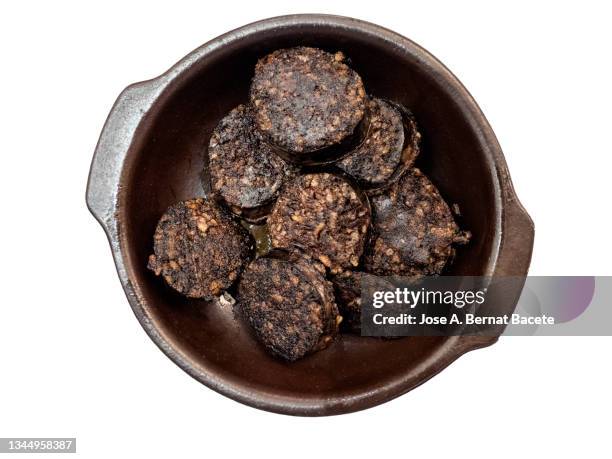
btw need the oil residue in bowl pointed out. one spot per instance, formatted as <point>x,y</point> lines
<point>260,234</point>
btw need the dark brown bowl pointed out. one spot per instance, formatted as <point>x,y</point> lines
<point>150,154</point>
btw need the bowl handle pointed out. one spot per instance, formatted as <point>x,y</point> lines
<point>518,234</point>
<point>128,112</point>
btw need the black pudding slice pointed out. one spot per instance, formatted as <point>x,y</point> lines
<point>289,304</point>
<point>324,215</point>
<point>306,100</point>
<point>198,249</point>
<point>243,169</point>
<point>390,147</point>
<point>413,230</point>
<point>348,287</point>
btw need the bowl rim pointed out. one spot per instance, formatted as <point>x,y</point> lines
<point>128,118</point>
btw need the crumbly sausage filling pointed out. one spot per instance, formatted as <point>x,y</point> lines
<point>309,107</point>
<point>306,99</point>
<point>289,305</point>
<point>325,216</point>
<point>243,169</point>
<point>375,160</point>
<point>198,250</point>
<point>413,229</point>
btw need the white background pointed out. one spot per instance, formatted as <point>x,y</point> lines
<point>75,362</point>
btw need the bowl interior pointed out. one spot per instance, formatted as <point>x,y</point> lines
<point>165,166</point>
